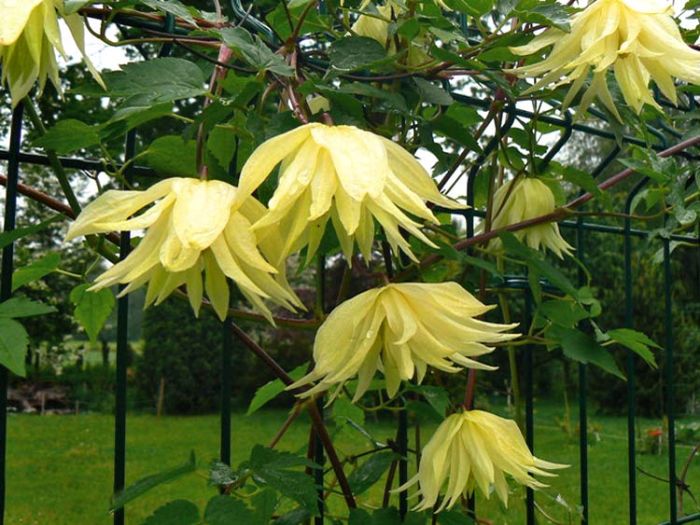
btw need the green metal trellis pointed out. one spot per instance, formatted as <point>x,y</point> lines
<point>15,157</point>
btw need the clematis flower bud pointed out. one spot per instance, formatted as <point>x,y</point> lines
<point>525,198</point>
<point>401,329</point>
<point>475,449</point>
<point>191,228</point>
<point>638,39</point>
<point>348,175</point>
<point>29,38</point>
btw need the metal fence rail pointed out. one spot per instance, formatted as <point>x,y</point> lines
<point>15,156</point>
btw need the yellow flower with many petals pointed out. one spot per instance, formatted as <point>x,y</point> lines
<point>475,449</point>
<point>29,38</point>
<point>638,39</point>
<point>401,329</point>
<point>192,227</point>
<point>525,198</point>
<point>348,175</point>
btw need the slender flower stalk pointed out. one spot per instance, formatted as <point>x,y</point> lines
<point>637,39</point>
<point>350,176</point>
<point>401,329</point>
<point>525,198</point>
<point>475,449</point>
<point>191,228</point>
<point>29,38</point>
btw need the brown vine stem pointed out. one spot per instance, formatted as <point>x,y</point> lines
<point>316,418</point>
<point>556,215</point>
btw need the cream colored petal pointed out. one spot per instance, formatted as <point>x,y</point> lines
<point>216,286</point>
<point>14,15</point>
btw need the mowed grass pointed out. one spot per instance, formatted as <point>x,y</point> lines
<point>60,467</point>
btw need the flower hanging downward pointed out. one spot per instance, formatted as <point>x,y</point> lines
<point>637,38</point>
<point>525,198</point>
<point>29,37</point>
<point>347,174</point>
<point>191,228</point>
<point>475,449</point>
<point>401,329</point>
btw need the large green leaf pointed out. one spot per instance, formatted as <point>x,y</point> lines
<point>174,7</point>
<point>143,485</point>
<point>69,135</point>
<point>35,270</point>
<point>638,342</point>
<point>92,309</point>
<point>225,510</point>
<point>17,307</point>
<point>13,345</point>
<point>371,471</point>
<point>176,512</point>
<point>584,349</point>
<point>157,80</point>
<point>7,238</point>
<point>355,52</point>
<point>255,52</point>
<point>171,155</point>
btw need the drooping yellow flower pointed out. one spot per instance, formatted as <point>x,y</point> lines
<point>401,329</point>
<point>348,175</point>
<point>525,198</point>
<point>29,39</point>
<point>475,449</point>
<point>638,39</point>
<point>192,227</point>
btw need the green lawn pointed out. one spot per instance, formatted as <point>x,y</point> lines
<point>60,467</point>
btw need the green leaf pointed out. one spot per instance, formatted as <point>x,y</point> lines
<point>584,349</point>
<point>157,80</point>
<point>173,7</point>
<point>92,309</point>
<point>547,13</point>
<point>271,390</point>
<point>13,346</point>
<point>294,517</point>
<point>17,307</point>
<point>7,238</point>
<point>36,270</point>
<point>225,510</point>
<point>355,52</point>
<point>436,396</point>
<point>371,471</point>
<point>638,342</point>
<point>143,485</point>
<point>431,93</point>
<point>268,458</point>
<point>476,8</point>
<point>564,313</point>
<point>171,155</point>
<point>254,51</point>
<point>388,516</point>
<point>176,512</point>
<point>69,135</point>
<point>344,411</point>
<point>264,505</point>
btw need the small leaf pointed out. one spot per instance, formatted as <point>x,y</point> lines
<point>173,7</point>
<point>254,51</point>
<point>13,346</point>
<point>344,411</point>
<point>371,471</point>
<point>354,52</point>
<point>264,505</point>
<point>431,93</point>
<point>92,309</point>
<point>36,270</point>
<point>143,485</point>
<point>157,80</point>
<point>584,349</point>
<point>7,238</point>
<point>17,307</point>
<point>176,512</point>
<point>271,390</point>
<point>294,517</point>
<point>638,342</point>
<point>454,517</point>
<point>171,155</point>
<point>69,135</point>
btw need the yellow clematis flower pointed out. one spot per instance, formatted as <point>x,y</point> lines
<point>525,198</point>
<point>29,37</point>
<point>638,39</point>
<point>475,449</point>
<point>348,175</point>
<point>191,228</point>
<point>401,329</point>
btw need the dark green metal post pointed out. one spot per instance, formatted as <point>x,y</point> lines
<point>226,355</point>
<point>670,390</point>
<point>6,280</point>
<point>402,435</point>
<point>582,393</point>
<point>122,358</point>
<point>529,405</point>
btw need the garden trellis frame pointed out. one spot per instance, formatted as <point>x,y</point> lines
<point>669,143</point>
